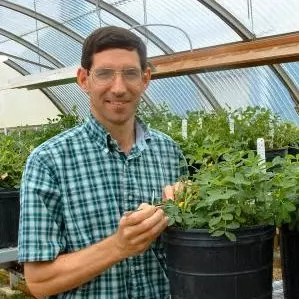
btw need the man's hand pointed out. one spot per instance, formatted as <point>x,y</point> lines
<point>170,190</point>
<point>139,229</point>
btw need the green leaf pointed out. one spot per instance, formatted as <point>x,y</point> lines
<point>218,233</point>
<point>214,221</point>
<point>178,219</point>
<point>227,217</point>
<point>231,236</point>
<point>233,225</point>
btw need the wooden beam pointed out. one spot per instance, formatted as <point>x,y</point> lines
<point>264,51</point>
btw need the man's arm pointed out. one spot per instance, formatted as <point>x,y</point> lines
<point>134,236</point>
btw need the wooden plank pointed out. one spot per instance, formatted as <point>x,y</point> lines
<point>264,51</point>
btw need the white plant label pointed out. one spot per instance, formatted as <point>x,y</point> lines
<point>184,128</point>
<point>260,148</point>
<point>169,126</point>
<point>271,133</point>
<point>231,124</point>
<point>199,123</point>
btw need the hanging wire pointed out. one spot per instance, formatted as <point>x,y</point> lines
<point>166,25</point>
<point>37,36</point>
<point>99,10</point>
<point>250,14</point>
<point>145,19</point>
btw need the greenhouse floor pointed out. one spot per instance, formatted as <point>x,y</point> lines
<point>277,290</point>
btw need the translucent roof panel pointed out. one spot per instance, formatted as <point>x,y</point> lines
<point>203,27</point>
<point>64,11</point>
<point>293,71</point>
<point>71,95</point>
<point>257,86</point>
<point>16,49</point>
<point>180,94</point>
<point>11,20</point>
<point>89,22</point>
<point>269,17</point>
<point>29,67</point>
<point>57,44</point>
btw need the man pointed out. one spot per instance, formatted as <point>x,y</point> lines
<point>76,238</point>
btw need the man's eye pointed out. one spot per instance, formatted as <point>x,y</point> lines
<point>103,73</point>
<point>132,73</point>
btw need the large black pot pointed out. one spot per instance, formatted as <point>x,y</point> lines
<point>9,217</point>
<point>205,267</point>
<point>289,250</point>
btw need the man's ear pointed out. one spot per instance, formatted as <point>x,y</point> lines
<point>82,79</point>
<point>147,77</point>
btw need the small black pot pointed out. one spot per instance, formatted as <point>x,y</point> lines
<point>205,267</point>
<point>9,217</point>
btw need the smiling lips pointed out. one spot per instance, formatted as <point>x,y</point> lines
<point>117,103</point>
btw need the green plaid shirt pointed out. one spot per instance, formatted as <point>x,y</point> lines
<point>74,191</point>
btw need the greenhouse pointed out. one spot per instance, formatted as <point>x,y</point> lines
<point>149,149</point>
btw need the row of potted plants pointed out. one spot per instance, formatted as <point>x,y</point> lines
<point>233,195</point>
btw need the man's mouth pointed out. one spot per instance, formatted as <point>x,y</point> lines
<point>117,103</point>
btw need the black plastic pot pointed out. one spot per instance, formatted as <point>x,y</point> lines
<point>205,267</point>
<point>272,153</point>
<point>289,255</point>
<point>9,217</point>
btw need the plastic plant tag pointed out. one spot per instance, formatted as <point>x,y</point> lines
<point>231,124</point>
<point>169,126</point>
<point>271,134</point>
<point>184,128</point>
<point>199,123</point>
<point>260,148</point>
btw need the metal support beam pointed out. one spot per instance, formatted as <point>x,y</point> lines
<point>228,18</point>
<point>42,18</point>
<point>247,35</point>
<point>27,60</point>
<point>31,47</point>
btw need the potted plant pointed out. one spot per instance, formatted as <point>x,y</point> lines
<point>220,240</point>
<point>289,233</point>
<point>14,150</point>
<point>257,122</point>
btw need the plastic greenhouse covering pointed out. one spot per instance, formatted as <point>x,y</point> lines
<point>49,35</point>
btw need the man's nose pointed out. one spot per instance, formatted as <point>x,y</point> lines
<point>118,84</point>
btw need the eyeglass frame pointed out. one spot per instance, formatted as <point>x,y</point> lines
<point>115,72</point>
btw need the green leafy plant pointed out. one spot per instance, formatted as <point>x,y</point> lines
<point>16,147</point>
<point>236,192</point>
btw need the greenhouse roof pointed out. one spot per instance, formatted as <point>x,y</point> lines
<point>42,36</point>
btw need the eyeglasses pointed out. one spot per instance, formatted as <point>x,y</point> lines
<point>105,76</point>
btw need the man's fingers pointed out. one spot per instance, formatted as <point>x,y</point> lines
<point>135,217</point>
<point>168,192</point>
<point>178,187</point>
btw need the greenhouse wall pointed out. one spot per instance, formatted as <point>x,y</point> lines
<point>22,107</point>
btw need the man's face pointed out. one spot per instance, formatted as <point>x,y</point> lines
<point>114,98</point>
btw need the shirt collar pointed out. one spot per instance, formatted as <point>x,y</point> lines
<point>104,139</point>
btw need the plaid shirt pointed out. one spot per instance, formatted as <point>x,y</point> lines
<point>74,191</point>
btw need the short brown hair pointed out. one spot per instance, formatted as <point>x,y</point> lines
<point>112,37</point>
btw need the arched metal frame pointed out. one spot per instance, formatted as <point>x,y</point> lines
<point>216,8</point>
<point>247,35</point>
